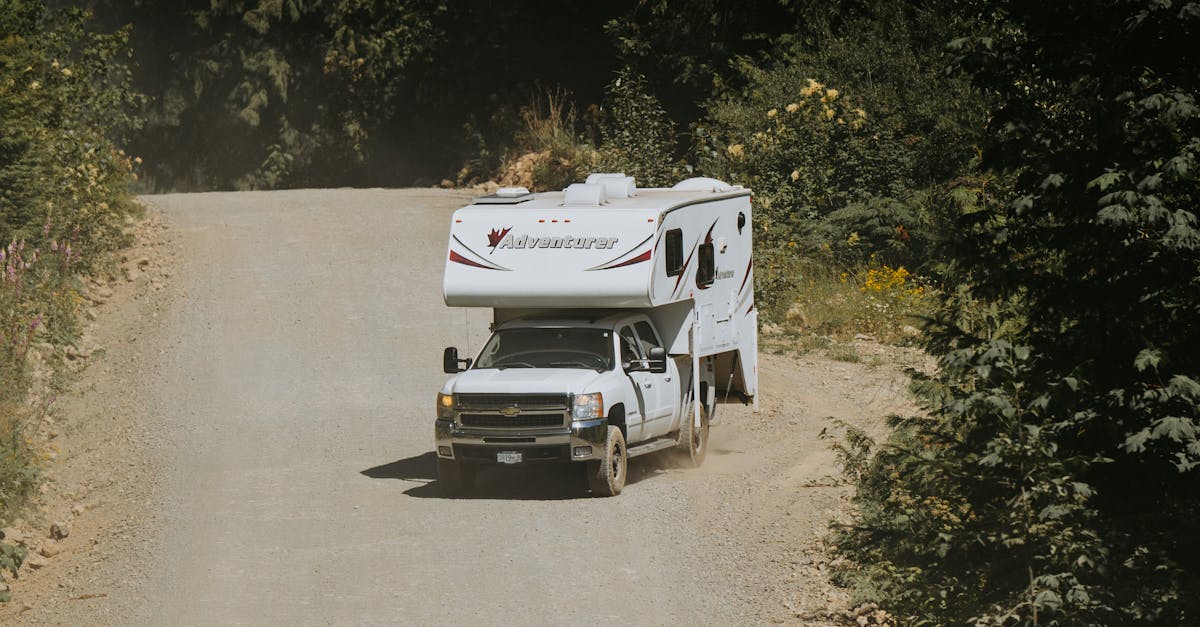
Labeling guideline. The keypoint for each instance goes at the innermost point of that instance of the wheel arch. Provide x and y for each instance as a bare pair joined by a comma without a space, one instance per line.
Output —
616,417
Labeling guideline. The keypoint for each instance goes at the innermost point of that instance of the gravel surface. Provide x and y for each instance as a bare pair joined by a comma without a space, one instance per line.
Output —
254,445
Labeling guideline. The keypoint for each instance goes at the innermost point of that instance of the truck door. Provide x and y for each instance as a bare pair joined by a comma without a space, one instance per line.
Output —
661,404
643,386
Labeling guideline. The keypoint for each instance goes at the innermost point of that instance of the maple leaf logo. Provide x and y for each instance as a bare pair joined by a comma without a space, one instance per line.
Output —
495,237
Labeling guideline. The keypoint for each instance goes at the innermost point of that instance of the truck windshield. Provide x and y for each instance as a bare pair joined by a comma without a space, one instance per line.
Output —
591,349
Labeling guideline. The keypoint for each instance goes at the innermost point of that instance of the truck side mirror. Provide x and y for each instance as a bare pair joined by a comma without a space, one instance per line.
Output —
657,360
450,361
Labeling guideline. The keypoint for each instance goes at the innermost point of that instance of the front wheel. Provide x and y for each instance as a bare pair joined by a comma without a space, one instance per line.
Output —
454,478
693,436
606,477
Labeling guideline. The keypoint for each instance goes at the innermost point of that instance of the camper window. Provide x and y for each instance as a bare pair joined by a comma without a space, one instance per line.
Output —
706,270
674,258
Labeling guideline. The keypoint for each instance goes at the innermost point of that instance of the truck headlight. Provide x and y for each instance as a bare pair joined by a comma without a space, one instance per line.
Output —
587,406
445,406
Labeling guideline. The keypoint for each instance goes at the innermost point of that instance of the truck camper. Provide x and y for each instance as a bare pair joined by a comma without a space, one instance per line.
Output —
621,318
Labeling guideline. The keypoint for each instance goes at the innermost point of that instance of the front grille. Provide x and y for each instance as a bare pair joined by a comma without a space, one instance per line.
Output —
520,420
525,402
474,452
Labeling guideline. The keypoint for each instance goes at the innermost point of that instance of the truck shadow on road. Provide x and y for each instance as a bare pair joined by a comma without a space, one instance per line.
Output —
422,468
543,482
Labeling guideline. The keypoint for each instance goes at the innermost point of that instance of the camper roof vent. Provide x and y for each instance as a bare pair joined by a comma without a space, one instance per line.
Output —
616,185
584,195
702,184
505,196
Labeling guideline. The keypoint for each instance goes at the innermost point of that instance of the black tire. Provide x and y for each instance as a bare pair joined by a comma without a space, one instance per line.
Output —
606,477
693,441
454,478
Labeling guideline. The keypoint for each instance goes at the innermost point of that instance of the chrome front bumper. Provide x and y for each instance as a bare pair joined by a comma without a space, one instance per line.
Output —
582,440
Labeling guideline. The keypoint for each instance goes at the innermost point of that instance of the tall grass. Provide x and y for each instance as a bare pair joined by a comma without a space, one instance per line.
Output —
549,150
39,301
831,304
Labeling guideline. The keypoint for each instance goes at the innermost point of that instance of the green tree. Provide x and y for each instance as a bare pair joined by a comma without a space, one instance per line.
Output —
269,93
639,138
1055,479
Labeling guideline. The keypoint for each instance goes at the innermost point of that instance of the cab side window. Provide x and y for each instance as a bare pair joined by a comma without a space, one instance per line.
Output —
629,345
674,254
646,337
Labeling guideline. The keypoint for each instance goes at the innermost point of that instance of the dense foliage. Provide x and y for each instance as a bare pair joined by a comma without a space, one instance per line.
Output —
267,94
260,94
853,141
63,199
1055,479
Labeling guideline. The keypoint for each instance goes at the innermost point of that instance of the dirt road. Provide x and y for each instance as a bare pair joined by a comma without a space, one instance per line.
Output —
289,392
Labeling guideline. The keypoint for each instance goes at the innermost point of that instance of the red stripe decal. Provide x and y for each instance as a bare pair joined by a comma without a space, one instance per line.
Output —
639,259
748,266
683,270
457,258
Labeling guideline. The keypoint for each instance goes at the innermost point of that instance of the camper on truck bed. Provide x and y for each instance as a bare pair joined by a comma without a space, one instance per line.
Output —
621,317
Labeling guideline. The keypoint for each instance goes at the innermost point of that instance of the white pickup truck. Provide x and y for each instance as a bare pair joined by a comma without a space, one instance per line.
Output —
621,317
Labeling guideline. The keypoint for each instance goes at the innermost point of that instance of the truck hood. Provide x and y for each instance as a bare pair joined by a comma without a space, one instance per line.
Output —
525,380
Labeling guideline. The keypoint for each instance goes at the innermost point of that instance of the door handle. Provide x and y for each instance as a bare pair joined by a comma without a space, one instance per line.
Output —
646,384
667,379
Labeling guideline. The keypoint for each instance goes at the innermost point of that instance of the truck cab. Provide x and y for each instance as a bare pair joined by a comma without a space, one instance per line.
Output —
547,388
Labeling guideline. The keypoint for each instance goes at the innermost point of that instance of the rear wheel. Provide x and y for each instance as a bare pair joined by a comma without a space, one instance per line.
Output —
606,477
693,436
455,479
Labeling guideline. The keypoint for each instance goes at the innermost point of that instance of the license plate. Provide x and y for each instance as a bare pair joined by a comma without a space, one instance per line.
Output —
508,457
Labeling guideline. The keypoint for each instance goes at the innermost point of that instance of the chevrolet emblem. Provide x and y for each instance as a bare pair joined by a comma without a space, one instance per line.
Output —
510,411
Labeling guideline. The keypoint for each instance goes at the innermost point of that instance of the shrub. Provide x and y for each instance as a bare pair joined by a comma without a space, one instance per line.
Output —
548,152
639,138
852,139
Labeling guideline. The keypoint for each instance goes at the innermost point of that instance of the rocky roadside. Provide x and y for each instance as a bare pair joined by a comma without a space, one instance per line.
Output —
98,495
771,486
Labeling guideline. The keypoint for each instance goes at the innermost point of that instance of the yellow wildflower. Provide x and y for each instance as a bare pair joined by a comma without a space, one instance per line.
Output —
795,175
772,113
792,107
737,151
861,114
66,71
812,88
828,113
